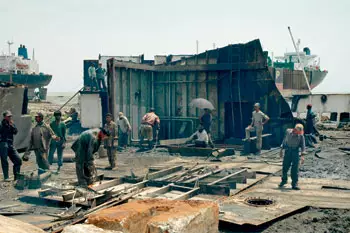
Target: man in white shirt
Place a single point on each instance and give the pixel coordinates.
(200, 137)
(92, 76)
(124, 129)
(259, 119)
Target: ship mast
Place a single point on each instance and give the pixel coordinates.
(10, 43)
(302, 66)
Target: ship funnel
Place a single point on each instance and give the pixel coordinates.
(307, 51)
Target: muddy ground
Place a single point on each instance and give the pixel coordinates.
(314, 220)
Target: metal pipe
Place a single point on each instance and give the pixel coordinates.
(169, 105)
(152, 89)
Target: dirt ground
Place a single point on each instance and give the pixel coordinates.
(330, 163)
(314, 220)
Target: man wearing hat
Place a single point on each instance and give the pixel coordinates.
(84, 148)
(148, 123)
(259, 119)
(111, 128)
(293, 140)
(7, 131)
(59, 128)
(123, 131)
(39, 142)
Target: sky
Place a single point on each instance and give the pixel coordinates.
(64, 33)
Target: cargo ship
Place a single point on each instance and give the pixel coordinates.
(288, 73)
(22, 70)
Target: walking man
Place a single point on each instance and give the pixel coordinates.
(124, 129)
(84, 147)
(293, 140)
(111, 128)
(7, 131)
(206, 121)
(59, 128)
(148, 123)
(259, 119)
(39, 142)
(92, 75)
(100, 72)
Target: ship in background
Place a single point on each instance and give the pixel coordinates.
(288, 73)
(22, 70)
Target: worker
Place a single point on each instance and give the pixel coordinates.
(310, 121)
(59, 128)
(293, 140)
(200, 137)
(259, 119)
(100, 72)
(7, 131)
(111, 128)
(124, 129)
(92, 76)
(84, 148)
(149, 122)
(206, 120)
(40, 138)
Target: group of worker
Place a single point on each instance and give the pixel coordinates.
(97, 77)
(45, 140)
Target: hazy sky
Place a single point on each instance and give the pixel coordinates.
(66, 32)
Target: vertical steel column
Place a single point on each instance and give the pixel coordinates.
(169, 105)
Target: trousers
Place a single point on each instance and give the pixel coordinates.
(59, 147)
(123, 139)
(7, 150)
(41, 160)
(258, 131)
(86, 173)
(112, 155)
(101, 84)
(291, 159)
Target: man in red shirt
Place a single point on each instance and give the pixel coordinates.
(149, 121)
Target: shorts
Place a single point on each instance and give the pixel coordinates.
(146, 131)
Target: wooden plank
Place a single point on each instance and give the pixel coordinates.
(203, 176)
(164, 172)
(105, 184)
(177, 141)
(228, 176)
(254, 138)
(187, 195)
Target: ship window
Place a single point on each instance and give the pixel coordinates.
(334, 116)
(344, 117)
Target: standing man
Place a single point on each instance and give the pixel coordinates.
(92, 75)
(148, 123)
(59, 128)
(84, 148)
(39, 141)
(259, 119)
(310, 121)
(206, 120)
(7, 130)
(111, 128)
(101, 72)
(293, 140)
(123, 131)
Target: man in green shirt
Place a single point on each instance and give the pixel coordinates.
(59, 128)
